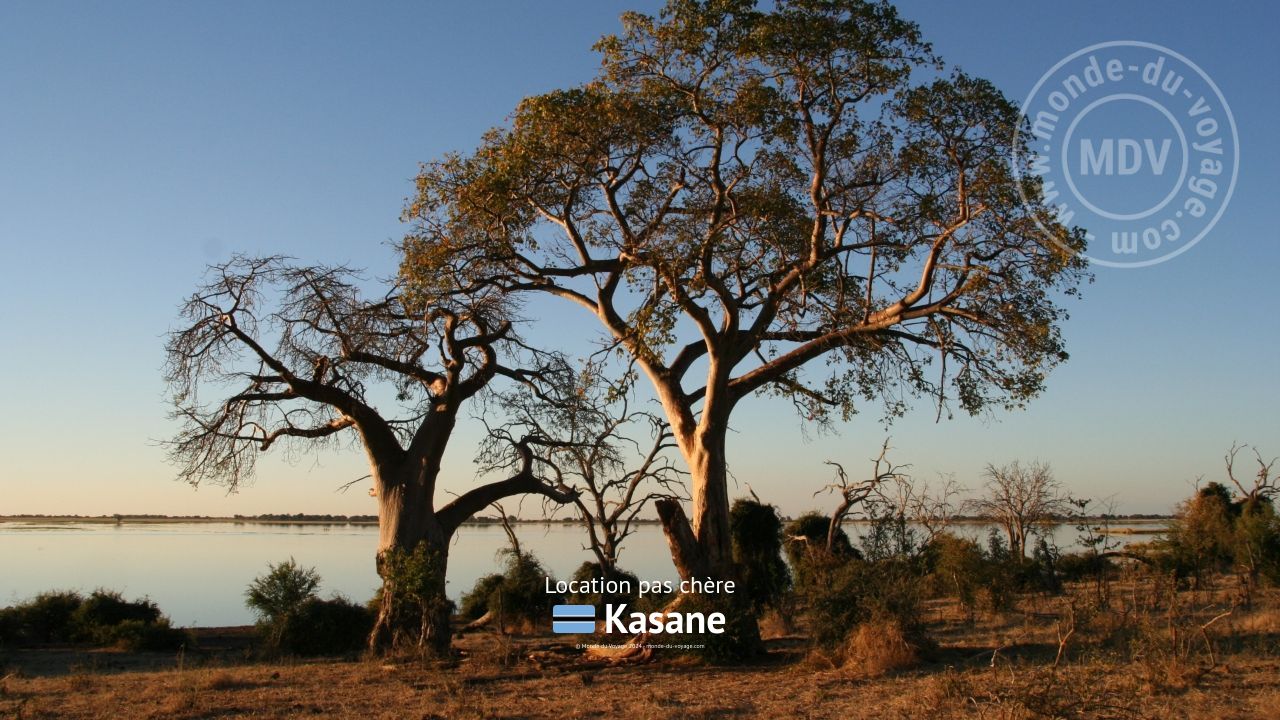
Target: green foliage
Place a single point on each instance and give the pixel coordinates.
(45, 618)
(414, 582)
(281, 591)
(757, 549)
(807, 537)
(517, 597)
(326, 627)
(475, 602)
(1215, 532)
(957, 568)
(103, 618)
(103, 610)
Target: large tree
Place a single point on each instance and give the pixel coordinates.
(741, 193)
(275, 354)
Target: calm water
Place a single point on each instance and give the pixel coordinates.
(197, 572)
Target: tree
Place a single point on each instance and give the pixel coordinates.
(740, 193)
(860, 493)
(295, 355)
(587, 434)
(1019, 498)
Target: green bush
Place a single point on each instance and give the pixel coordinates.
(97, 617)
(957, 568)
(1216, 532)
(281, 591)
(414, 581)
(518, 598)
(104, 618)
(475, 602)
(47, 617)
(326, 627)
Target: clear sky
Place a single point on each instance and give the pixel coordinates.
(139, 141)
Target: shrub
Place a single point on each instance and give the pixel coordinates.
(97, 617)
(47, 617)
(414, 582)
(281, 591)
(475, 602)
(741, 636)
(326, 627)
(807, 534)
(518, 598)
(104, 618)
(756, 531)
(881, 647)
(140, 635)
(956, 568)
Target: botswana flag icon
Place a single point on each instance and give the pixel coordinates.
(573, 618)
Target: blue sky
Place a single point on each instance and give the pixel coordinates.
(139, 141)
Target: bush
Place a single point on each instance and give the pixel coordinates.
(956, 568)
(104, 618)
(281, 591)
(475, 602)
(97, 617)
(518, 597)
(881, 647)
(47, 617)
(757, 548)
(326, 627)
(139, 635)
(807, 534)
(414, 582)
(839, 590)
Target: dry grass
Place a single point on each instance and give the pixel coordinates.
(999, 666)
(880, 648)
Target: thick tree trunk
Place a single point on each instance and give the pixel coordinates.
(413, 610)
(703, 548)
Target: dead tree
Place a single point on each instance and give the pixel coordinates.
(588, 435)
(1265, 485)
(1019, 498)
(275, 353)
(857, 493)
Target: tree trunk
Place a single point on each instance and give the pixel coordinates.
(413, 609)
(703, 548)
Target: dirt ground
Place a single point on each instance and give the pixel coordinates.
(999, 665)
